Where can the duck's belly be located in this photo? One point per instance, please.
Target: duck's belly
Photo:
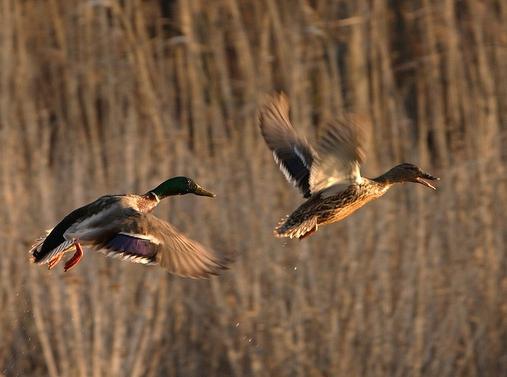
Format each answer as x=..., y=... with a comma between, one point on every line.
x=339, y=213
x=342, y=205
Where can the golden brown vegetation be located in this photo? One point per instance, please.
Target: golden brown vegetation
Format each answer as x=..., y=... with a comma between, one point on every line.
x=107, y=96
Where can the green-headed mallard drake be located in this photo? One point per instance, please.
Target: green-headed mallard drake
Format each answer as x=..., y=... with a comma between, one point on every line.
x=329, y=175
x=122, y=226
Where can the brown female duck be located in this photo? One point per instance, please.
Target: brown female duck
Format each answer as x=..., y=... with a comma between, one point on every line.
x=329, y=175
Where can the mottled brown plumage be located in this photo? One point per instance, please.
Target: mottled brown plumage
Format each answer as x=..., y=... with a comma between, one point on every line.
x=329, y=174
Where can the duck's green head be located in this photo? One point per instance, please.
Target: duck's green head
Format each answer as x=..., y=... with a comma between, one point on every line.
x=178, y=186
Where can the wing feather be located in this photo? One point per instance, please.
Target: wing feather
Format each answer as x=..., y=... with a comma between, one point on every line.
x=145, y=238
x=339, y=154
x=293, y=154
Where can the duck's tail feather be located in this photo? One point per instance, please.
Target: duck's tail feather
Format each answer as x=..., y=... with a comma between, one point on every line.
x=37, y=245
x=294, y=228
x=35, y=249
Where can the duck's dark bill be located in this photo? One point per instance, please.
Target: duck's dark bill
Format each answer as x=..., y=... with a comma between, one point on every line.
x=426, y=183
x=202, y=192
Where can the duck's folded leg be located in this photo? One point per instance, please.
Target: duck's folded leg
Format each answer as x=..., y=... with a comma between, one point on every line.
x=75, y=258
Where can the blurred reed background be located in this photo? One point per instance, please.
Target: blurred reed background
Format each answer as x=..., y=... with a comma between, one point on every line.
x=115, y=96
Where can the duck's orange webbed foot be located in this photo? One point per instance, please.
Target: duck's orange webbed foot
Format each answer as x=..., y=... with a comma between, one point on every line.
x=54, y=261
x=75, y=258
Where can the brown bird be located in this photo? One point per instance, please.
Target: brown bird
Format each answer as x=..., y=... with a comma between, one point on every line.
x=329, y=175
x=122, y=226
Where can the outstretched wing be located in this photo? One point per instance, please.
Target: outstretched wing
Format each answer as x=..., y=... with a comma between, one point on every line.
x=293, y=155
x=339, y=154
x=144, y=238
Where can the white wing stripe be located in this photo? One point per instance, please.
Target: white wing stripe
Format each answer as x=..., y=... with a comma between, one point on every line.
x=284, y=170
x=301, y=157
x=126, y=257
x=147, y=237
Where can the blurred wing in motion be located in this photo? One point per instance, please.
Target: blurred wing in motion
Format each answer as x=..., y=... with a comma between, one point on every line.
x=147, y=239
x=339, y=154
x=293, y=155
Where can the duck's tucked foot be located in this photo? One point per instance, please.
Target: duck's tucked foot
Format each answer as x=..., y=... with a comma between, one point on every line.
x=76, y=258
x=54, y=261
